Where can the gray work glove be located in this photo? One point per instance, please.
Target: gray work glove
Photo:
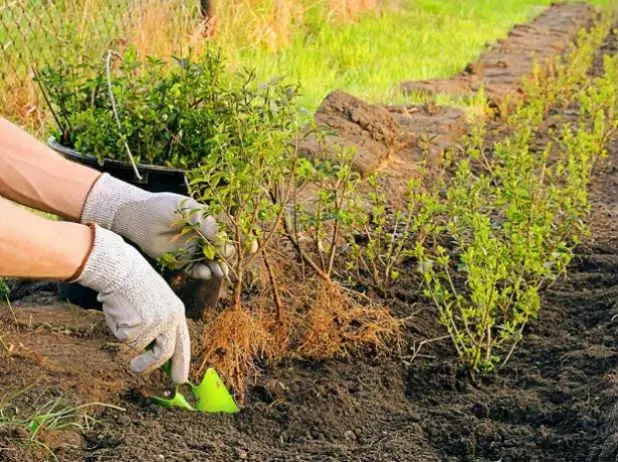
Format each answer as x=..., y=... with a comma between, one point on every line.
x=138, y=304
x=153, y=221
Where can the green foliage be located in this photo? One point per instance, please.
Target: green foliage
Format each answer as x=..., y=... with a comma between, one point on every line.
x=243, y=179
x=4, y=289
x=326, y=208
x=510, y=226
x=232, y=134
x=179, y=113
x=389, y=232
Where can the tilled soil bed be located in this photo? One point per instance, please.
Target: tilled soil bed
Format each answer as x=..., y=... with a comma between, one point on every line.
x=554, y=401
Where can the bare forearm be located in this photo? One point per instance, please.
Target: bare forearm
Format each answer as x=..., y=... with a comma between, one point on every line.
x=34, y=175
x=34, y=247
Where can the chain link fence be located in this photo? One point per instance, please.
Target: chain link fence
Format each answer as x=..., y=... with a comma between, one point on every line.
x=38, y=33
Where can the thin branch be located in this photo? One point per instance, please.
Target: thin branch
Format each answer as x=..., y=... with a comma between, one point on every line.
x=273, y=284
x=108, y=73
x=416, y=349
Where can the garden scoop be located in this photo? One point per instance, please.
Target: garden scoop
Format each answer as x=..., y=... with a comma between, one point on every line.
x=211, y=395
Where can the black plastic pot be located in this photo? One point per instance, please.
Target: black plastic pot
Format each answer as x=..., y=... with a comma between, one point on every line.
x=197, y=295
x=155, y=178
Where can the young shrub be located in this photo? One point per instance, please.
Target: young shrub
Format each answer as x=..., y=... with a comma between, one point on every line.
x=389, y=233
x=510, y=229
x=245, y=178
x=325, y=210
x=168, y=110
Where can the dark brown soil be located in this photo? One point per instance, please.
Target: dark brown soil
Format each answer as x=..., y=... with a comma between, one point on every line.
x=555, y=400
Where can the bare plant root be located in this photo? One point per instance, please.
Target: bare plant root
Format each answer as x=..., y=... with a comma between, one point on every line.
x=336, y=325
x=232, y=341
x=293, y=313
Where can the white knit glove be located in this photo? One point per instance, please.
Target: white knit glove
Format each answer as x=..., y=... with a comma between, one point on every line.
x=138, y=304
x=153, y=221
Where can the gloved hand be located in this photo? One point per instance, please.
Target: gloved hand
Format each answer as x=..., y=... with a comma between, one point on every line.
x=153, y=221
x=138, y=305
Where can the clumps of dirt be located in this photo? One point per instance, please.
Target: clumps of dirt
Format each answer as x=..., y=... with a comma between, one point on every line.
x=500, y=70
x=352, y=123
x=441, y=126
x=428, y=132
x=21, y=452
x=392, y=140
x=60, y=440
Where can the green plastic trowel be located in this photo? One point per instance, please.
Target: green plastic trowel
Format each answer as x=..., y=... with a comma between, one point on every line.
x=210, y=395
x=178, y=400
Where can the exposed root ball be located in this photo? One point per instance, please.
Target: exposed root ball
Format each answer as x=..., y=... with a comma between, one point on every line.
x=336, y=325
x=232, y=342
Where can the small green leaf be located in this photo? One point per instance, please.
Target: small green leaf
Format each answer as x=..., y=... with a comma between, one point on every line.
x=209, y=252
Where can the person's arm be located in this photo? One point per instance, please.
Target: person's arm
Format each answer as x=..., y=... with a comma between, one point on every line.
x=139, y=306
x=34, y=175
x=34, y=247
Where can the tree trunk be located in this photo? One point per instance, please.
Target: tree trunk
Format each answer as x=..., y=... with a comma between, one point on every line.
x=208, y=10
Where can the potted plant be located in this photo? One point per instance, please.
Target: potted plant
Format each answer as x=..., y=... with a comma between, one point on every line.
x=152, y=121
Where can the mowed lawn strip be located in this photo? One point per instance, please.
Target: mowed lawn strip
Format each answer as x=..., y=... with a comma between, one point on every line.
x=418, y=39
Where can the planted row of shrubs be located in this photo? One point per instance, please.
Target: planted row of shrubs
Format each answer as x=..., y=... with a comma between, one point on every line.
x=485, y=234
x=514, y=211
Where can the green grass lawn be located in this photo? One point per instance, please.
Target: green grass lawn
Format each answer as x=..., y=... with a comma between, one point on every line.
x=419, y=39
x=369, y=58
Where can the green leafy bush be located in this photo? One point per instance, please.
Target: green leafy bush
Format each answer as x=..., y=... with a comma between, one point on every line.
x=4, y=290
x=388, y=233
x=512, y=218
x=175, y=113
x=246, y=176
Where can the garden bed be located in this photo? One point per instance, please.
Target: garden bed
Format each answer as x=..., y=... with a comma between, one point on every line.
x=552, y=401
